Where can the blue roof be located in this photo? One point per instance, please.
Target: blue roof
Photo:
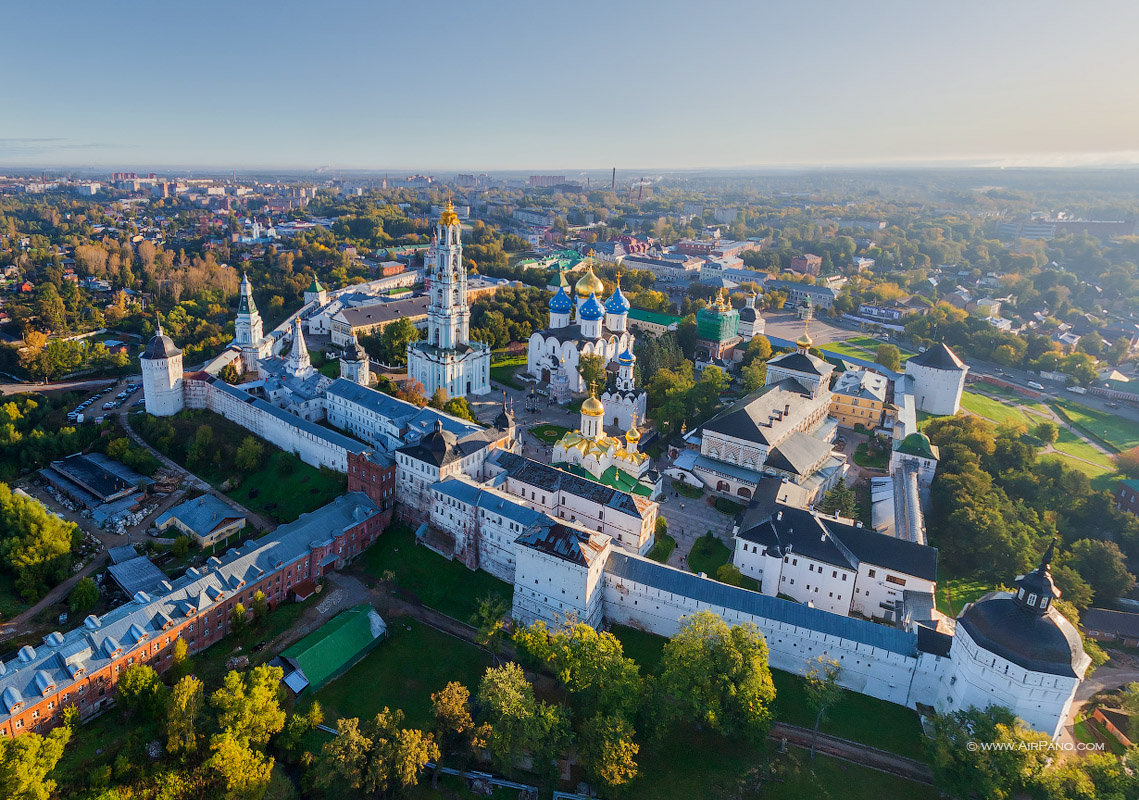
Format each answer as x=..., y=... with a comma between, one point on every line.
x=401, y=414
x=468, y=493
x=202, y=515
x=591, y=310
x=560, y=303
x=714, y=593
x=617, y=304
x=627, y=357
x=311, y=428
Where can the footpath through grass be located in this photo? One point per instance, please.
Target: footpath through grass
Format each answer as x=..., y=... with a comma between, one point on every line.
x=446, y=586
x=1120, y=433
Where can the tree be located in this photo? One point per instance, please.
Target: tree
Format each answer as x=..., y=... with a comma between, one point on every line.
x=490, y=620
x=1047, y=432
x=84, y=596
x=35, y=545
x=758, y=350
x=517, y=722
x=27, y=761
x=141, y=691
x=229, y=374
x=730, y=574
x=889, y=356
x=297, y=726
x=609, y=751
x=242, y=770
x=460, y=407
x=753, y=376
x=249, y=454
x=1103, y=566
x=439, y=398
x=822, y=691
x=962, y=769
x=238, y=619
x=249, y=706
x=395, y=338
x=718, y=676
x=841, y=500
x=344, y=758
x=1128, y=462
x=378, y=758
x=183, y=715
x=592, y=371
x=594, y=669
x=180, y=661
x=260, y=605
x=451, y=707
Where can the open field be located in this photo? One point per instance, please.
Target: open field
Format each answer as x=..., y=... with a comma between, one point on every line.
x=1123, y=434
x=447, y=586
x=286, y=487
x=503, y=371
x=996, y=410
x=402, y=672
x=1072, y=445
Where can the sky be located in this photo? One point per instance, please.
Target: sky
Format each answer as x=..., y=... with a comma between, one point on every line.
x=505, y=85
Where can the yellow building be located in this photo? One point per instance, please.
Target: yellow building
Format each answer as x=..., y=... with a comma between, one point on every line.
x=858, y=398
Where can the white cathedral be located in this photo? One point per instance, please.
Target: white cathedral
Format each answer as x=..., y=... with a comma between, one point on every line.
x=589, y=327
x=447, y=358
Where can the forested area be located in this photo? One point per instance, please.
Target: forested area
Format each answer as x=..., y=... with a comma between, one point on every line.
x=35, y=545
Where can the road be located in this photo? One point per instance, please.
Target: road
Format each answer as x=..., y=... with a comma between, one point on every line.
x=58, y=386
x=1104, y=678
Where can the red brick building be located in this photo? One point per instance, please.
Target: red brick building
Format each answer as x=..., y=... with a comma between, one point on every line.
x=1127, y=496
x=82, y=667
x=374, y=475
x=807, y=264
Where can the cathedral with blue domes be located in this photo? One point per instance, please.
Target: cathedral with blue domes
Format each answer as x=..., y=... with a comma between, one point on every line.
x=587, y=325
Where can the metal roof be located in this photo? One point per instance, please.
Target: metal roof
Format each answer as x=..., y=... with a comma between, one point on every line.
x=202, y=515
x=713, y=593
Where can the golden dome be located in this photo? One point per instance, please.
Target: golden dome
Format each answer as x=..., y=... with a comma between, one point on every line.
x=589, y=284
x=805, y=341
x=448, y=217
x=592, y=407
x=633, y=435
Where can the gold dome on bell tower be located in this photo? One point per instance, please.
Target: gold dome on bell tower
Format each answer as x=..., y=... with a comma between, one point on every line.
x=448, y=217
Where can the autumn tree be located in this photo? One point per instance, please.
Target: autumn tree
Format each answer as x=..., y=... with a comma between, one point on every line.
x=517, y=722
x=183, y=716
x=609, y=751
x=451, y=707
x=243, y=771
x=889, y=356
x=490, y=621
x=378, y=757
x=27, y=761
x=249, y=706
x=229, y=374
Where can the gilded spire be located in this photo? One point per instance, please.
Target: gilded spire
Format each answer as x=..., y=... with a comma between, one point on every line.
x=448, y=217
x=805, y=342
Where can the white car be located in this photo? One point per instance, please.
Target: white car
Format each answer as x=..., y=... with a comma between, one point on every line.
x=1036, y=385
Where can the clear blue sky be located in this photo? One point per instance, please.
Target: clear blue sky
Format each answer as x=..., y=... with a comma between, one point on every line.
x=511, y=85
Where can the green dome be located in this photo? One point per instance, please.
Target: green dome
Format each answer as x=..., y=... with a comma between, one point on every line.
x=918, y=444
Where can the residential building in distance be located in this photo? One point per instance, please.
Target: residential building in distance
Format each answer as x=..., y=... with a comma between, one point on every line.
x=542, y=181
x=206, y=519
x=807, y=264
x=858, y=398
x=798, y=293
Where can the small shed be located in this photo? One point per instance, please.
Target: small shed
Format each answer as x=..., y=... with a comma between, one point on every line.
x=331, y=650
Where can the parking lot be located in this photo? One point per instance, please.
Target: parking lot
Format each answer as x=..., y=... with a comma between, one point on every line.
x=81, y=412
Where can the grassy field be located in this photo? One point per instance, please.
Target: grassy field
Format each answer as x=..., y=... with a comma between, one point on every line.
x=700, y=764
x=446, y=586
x=862, y=457
x=1101, y=477
x=953, y=594
x=286, y=487
x=994, y=409
x=708, y=555
x=1122, y=434
x=503, y=371
x=403, y=672
x=548, y=433
x=864, y=719
x=663, y=548
x=1072, y=445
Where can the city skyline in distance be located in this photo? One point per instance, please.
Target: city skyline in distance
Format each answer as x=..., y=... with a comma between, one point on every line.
x=377, y=87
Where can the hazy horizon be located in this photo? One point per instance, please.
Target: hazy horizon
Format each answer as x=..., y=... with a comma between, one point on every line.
x=515, y=87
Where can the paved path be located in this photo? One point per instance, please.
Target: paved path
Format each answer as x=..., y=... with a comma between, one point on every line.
x=1104, y=678
x=22, y=622
x=855, y=752
x=59, y=386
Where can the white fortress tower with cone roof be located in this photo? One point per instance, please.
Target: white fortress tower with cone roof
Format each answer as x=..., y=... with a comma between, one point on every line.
x=161, y=364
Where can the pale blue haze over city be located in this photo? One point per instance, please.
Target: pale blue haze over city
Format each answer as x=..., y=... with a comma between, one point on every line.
x=583, y=85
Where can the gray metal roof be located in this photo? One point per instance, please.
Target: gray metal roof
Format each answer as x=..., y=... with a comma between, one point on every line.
x=202, y=515
x=136, y=574
x=63, y=657
x=516, y=510
x=716, y=594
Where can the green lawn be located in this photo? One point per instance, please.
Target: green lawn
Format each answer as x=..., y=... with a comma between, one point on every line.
x=1101, y=477
x=663, y=548
x=708, y=555
x=286, y=496
x=1116, y=431
x=503, y=371
x=403, y=672
x=330, y=369
x=991, y=408
x=446, y=586
x=863, y=458
x=954, y=593
x=1073, y=445
x=548, y=433
x=700, y=764
x=683, y=488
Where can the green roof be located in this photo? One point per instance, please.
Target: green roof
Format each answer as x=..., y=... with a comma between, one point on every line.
x=315, y=286
x=336, y=646
x=918, y=444
x=612, y=477
x=1131, y=484
x=653, y=317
